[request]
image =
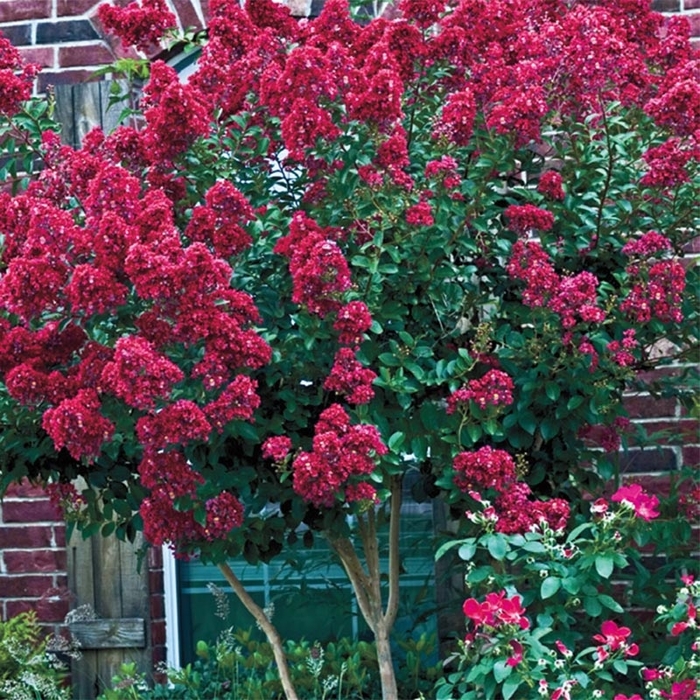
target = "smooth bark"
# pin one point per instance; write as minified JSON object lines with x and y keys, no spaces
{"x":267,"y":627}
{"x":367,"y":583}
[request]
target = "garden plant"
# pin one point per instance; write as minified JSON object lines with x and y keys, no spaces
{"x":349,"y":248}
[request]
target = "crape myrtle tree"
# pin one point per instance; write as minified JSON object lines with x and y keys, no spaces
{"x":340,"y":251}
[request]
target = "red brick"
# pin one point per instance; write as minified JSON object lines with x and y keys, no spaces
{"x":691,"y":455}
{"x":694,"y":20}
{"x":158,"y":658}
{"x":155,"y":558}
{"x":677,"y":432}
{"x":41,"y":56}
{"x":158,"y":632}
{"x":659,"y":485}
{"x":30,"y":512}
{"x":649,"y":407}
{"x":157,"y":606}
{"x":16,"y":10}
{"x":15,"y":607}
{"x":75,"y":7}
{"x":34,"y":561}
{"x":46,"y":610}
{"x":37,"y":537}
{"x":89,"y":55}
{"x":189,"y":19}
{"x":59,"y":533}
{"x":25,"y":489}
{"x":25,"y":586}
{"x":155,"y":581}
{"x":666,"y":5}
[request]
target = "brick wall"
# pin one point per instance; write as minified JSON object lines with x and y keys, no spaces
{"x":32,"y":557}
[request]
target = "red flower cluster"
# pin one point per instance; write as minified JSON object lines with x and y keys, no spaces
{"x":352,"y":321}
{"x":220,"y":221}
{"x":635,"y":497}
{"x":621,"y":350}
{"x":77,"y":424}
{"x":169,"y":477}
{"x":238,"y":401}
{"x":139,"y":374}
{"x":550,"y":185}
{"x":574,"y":298}
{"x":16,"y":79}
{"x":319,"y":270}
{"x":513,"y":510}
{"x":613,"y":638}
{"x":175,"y":116}
{"x":277,"y":448}
{"x":527,"y":218}
{"x":517,"y":513}
{"x":657,"y":294}
{"x":349,"y":378}
{"x":420,"y":214}
{"x":647,"y":245}
{"x":176,"y":424}
{"x":484,"y":469}
{"x":496,"y":610}
{"x":138,"y":25}
{"x":669,"y":163}
{"x":494,"y":389}
{"x":456,"y":122}
{"x":341,"y":452}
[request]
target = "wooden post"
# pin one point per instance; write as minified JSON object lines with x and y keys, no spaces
{"x":102,"y":572}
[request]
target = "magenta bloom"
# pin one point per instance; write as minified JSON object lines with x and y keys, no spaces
{"x":496,"y":610}
{"x":645,"y":506}
{"x":614,"y":637}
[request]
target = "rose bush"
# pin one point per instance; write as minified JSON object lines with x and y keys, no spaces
{"x":342,"y":251}
{"x":543,"y":595}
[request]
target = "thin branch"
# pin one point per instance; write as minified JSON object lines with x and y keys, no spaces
{"x":267,"y":627}
{"x":392,"y":607}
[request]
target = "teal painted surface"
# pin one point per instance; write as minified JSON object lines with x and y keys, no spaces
{"x":310,"y":592}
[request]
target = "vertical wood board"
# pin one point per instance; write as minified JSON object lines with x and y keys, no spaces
{"x":102,"y":572}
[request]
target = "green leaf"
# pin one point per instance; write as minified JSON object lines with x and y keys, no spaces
{"x":610,"y":603}
{"x":620,"y":666}
{"x":395,"y":441}
{"x":571,"y":584}
{"x":592,"y":606}
{"x":497,"y":546}
{"x":550,"y":586}
{"x":511,"y":684}
{"x":604,"y":565}
{"x":552,"y":390}
{"x":446,"y":548}
{"x":467,"y":551}
{"x":528,"y":422}
{"x":501,"y":670}
{"x":388,"y":359}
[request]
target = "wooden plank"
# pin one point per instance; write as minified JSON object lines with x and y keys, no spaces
{"x":82,"y":587}
{"x":80,"y":108}
{"x":119,"y":633}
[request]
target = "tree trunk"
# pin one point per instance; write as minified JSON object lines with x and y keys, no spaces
{"x":267,"y":627}
{"x":366,"y":584}
{"x":386,"y":665}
